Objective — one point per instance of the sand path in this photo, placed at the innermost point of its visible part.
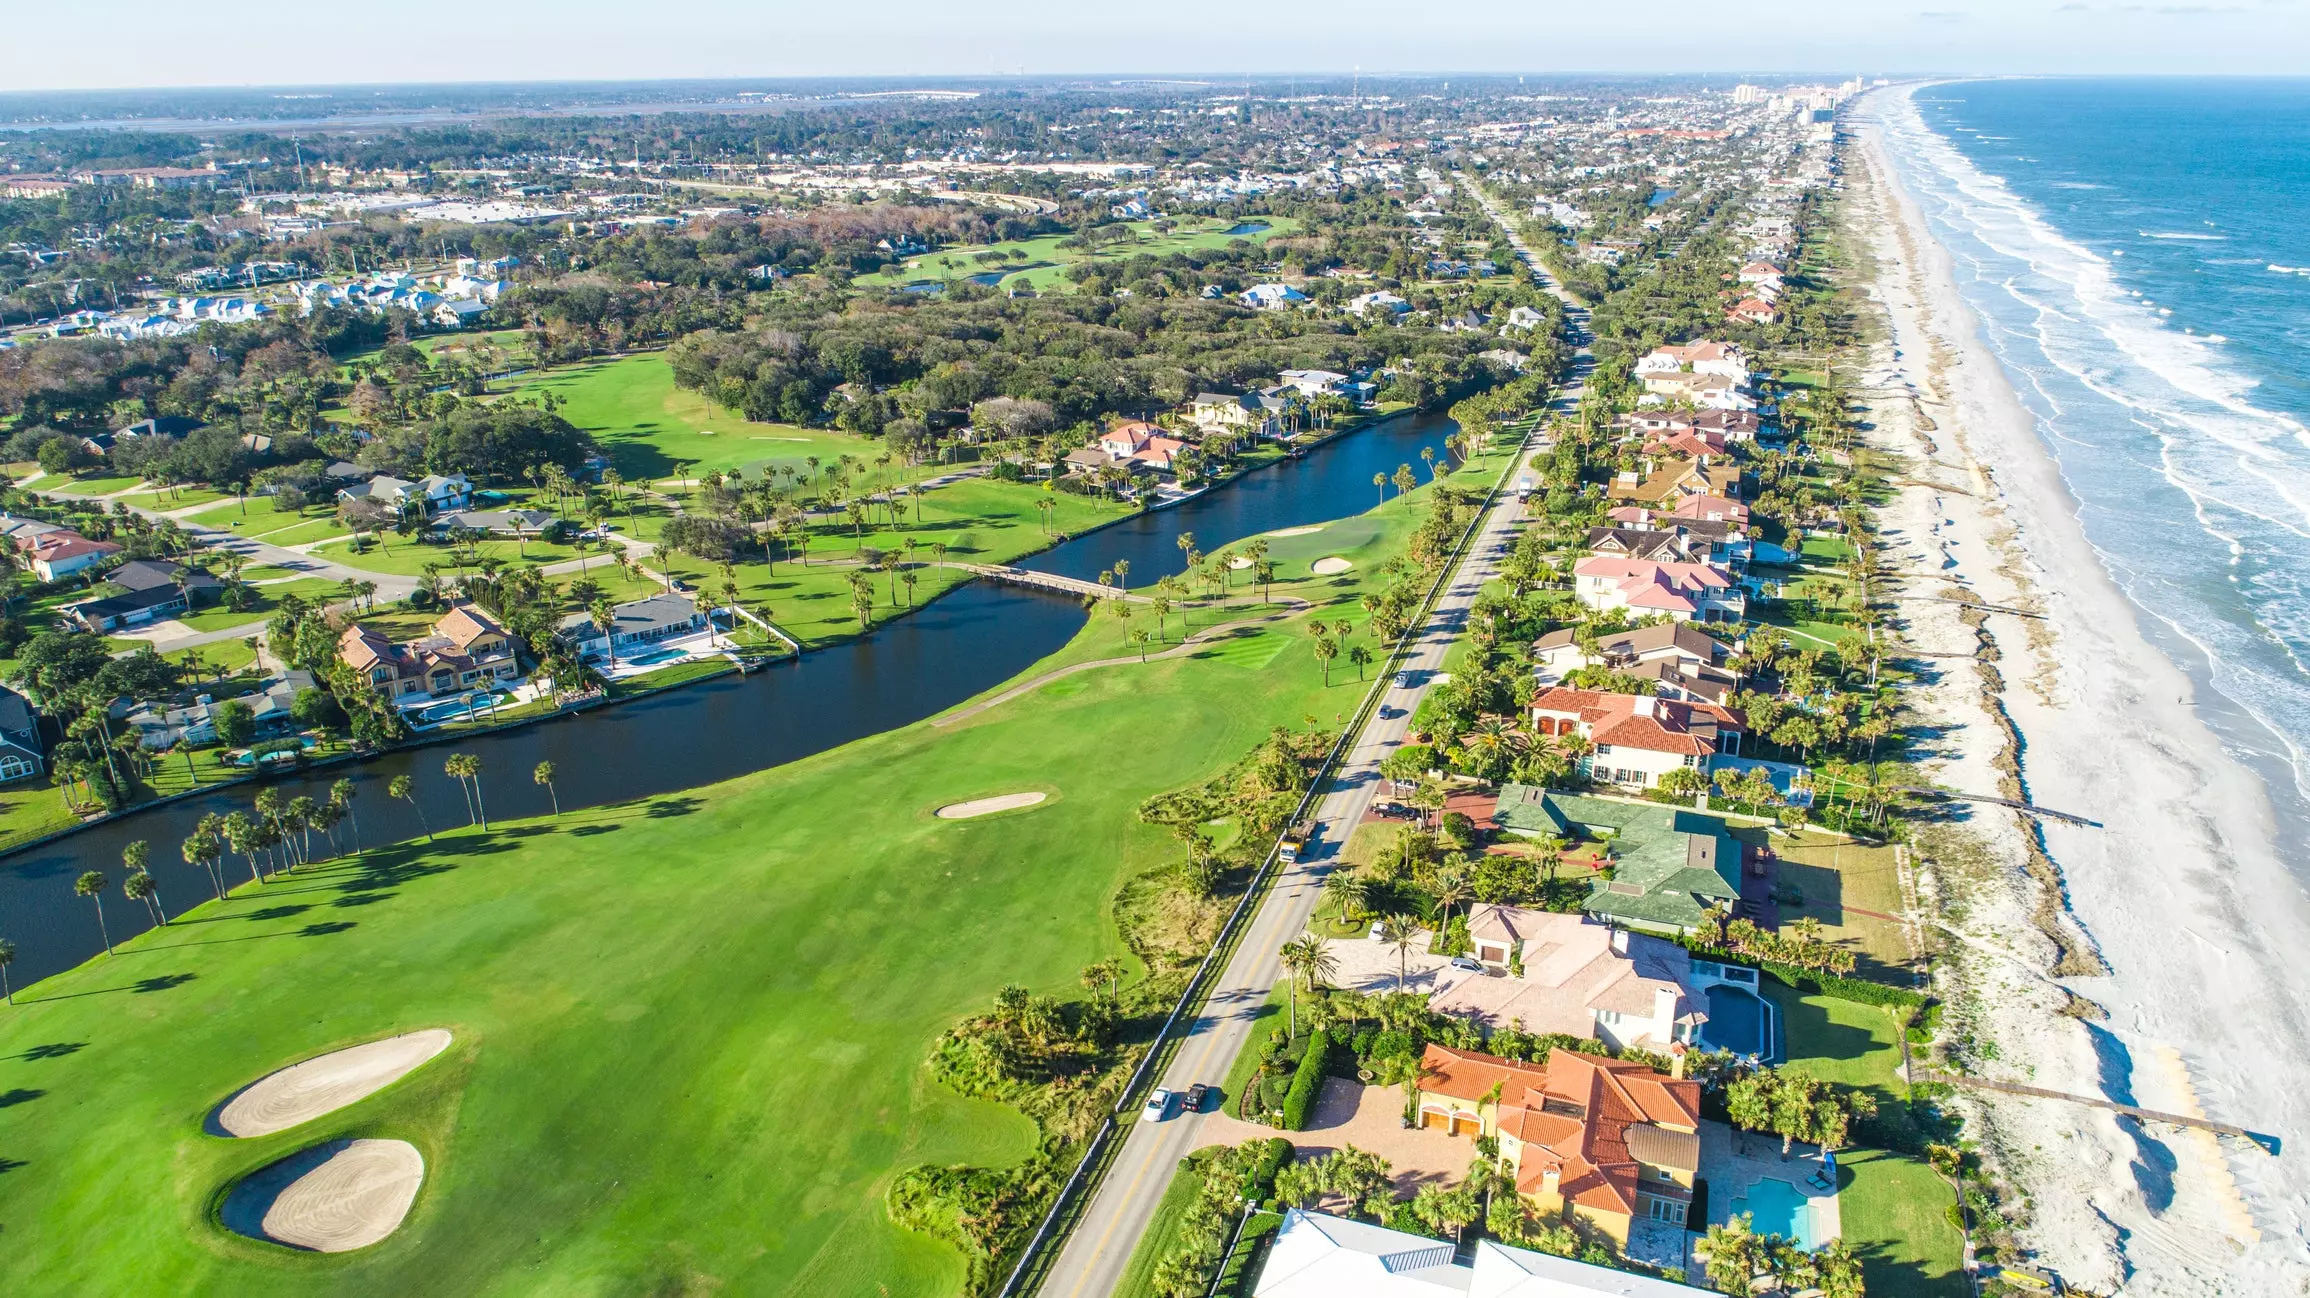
(357, 1196)
(303, 1092)
(988, 806)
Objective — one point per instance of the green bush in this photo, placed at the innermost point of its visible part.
(1307, 1083)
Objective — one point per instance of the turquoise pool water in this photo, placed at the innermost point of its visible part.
(655, 656)
(1736, 1022)
(456, 707)
(1778, 1208)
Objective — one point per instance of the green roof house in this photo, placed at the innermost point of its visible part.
(1669, 863)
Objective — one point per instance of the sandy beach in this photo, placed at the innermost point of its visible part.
(2143, 960)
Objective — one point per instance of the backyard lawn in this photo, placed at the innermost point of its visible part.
(1892, 1208)
(1851, 889)
(690, 1030)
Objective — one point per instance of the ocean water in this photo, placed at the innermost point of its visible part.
(2139, 255)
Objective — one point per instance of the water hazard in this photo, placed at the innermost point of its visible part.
(916, 667)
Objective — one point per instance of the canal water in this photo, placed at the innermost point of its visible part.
(915, 667)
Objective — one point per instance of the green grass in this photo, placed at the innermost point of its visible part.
(646, 425)
(690, 1030)
(90, 486)
(1837, 879)
(1162, 1230)
(1044, 264)
(217, 617)
(407, 557)
(175, 498)
(1892, 1209)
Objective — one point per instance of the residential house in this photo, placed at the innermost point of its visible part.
(497, 522)
(1682, 592)
(1248, 411)
(1524, 317)
(1318, 1255)
(1682, 662)
(1272, 297)
(434, 492)
(1570, 974)
(635, 626)
(1383, 304)
(1468, 321)
(1313, 383)
(1674, 540)
(1638, 737)
(1608, 1141)
(466, 649)
(1139, 445)
(1710, 508)
(23, 754)
(271, 712)
(1725, 360)
(457, 312)
(1753, 311)
(1702, 391)
(150, 589)
(59, 554)
(1669, 864)
(1667, 481)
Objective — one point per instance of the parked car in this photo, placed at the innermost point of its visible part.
(1198, 1095)
(1158, 1106)
(1379, 930)
(1464, 962)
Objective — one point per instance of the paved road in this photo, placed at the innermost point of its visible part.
(1092, 1261)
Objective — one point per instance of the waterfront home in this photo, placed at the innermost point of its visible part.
(1675, 479)
(635, 627)
(1570, 974)
(1680, 643)
(1312, 383)
(271, 710)
(1318, 1255)
(1682, 592)
(466, 648)
(1139, 445)
(1725, 360)
(22, 754)
(1701, 391)
(1673, 540)
(1608, 1141)
(1710, 508)
(1669, 864)
(1638, 737)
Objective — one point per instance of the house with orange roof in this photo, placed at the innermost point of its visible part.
(1638, 738)
(1681, 592)
(1712, 508)
(1608, 1141)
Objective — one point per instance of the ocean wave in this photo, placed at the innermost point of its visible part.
(2277, 269)
(2191, 235)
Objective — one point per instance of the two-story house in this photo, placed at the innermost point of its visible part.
(466, 649)
(1681, 592)
(1605, 1140)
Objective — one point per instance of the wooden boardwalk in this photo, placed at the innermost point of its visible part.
(2269, 1144)
(1046, 581)
(2026, 808)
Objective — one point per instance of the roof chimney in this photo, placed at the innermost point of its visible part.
(1643, 706)
(1677, 1050)
(1620, 941)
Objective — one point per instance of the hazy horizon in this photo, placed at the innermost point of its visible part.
(115, 45)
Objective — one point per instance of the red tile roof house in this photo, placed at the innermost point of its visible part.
(1681, 592)
(56, 555)
(465, 649)
(1606, 1140)
(1141, 444)
(1638, 738)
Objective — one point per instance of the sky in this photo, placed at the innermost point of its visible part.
(92, 44)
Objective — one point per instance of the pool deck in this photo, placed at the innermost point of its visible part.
(1733, 1161)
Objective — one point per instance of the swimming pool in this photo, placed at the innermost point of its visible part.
(1737, 1022)
(656, 656)
(458, 707)
(1778, 1208)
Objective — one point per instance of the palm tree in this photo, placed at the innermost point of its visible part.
(240, 833)
(466, 768)
(202, 848)
(1380, 480)
(544, 775)
(400, 787)
(1451, 890)
(605, 619)
(1350, 890)
(91, 884)
(1304, 958)
(341, 796)
(7, 958)
(1403, 933)
(140, 887)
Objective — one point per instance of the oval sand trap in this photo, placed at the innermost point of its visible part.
(1239, 562)
(332, 1198)
(1328, 565)
(1298, 531)
(303, 1092)
(988, 806)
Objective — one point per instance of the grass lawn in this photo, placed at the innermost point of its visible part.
(219, 656)
(1139, 1278)
(1042, 264)
(30, 808)
(645, 424)
(260, 517)
(406, 557)
(175, 498)
(217, 617)
(90, 486)
(690, 1030)
(1839, 880)
(1892, 1208)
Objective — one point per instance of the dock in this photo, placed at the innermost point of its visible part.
(2025, 808)
(1028, 577)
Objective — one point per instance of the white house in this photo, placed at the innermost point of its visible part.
(1313, 383)
(1638, 738)
(1317, 1255)
(1570, 974)
(1703, 357)
(1524, 317)
(1386, 304)
(1272, 297)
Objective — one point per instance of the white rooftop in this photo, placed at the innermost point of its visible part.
(1317, 1255)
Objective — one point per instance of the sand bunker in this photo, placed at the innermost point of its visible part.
(1239, 562)
(988, 806)
(1298, 531)
(332, 1198)
(303, 1092)
(1328, 565)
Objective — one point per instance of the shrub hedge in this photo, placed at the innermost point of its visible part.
(1307, 1083)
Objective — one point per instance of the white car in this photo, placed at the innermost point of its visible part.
(1404, 679)
(1158, 1106)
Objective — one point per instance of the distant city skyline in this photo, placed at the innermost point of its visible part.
(126, 44)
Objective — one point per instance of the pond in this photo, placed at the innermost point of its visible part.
(968, 641)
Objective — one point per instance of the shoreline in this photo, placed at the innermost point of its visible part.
(2060, 958)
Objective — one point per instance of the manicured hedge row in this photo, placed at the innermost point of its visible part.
(1816, 981)
(1307, 1083)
